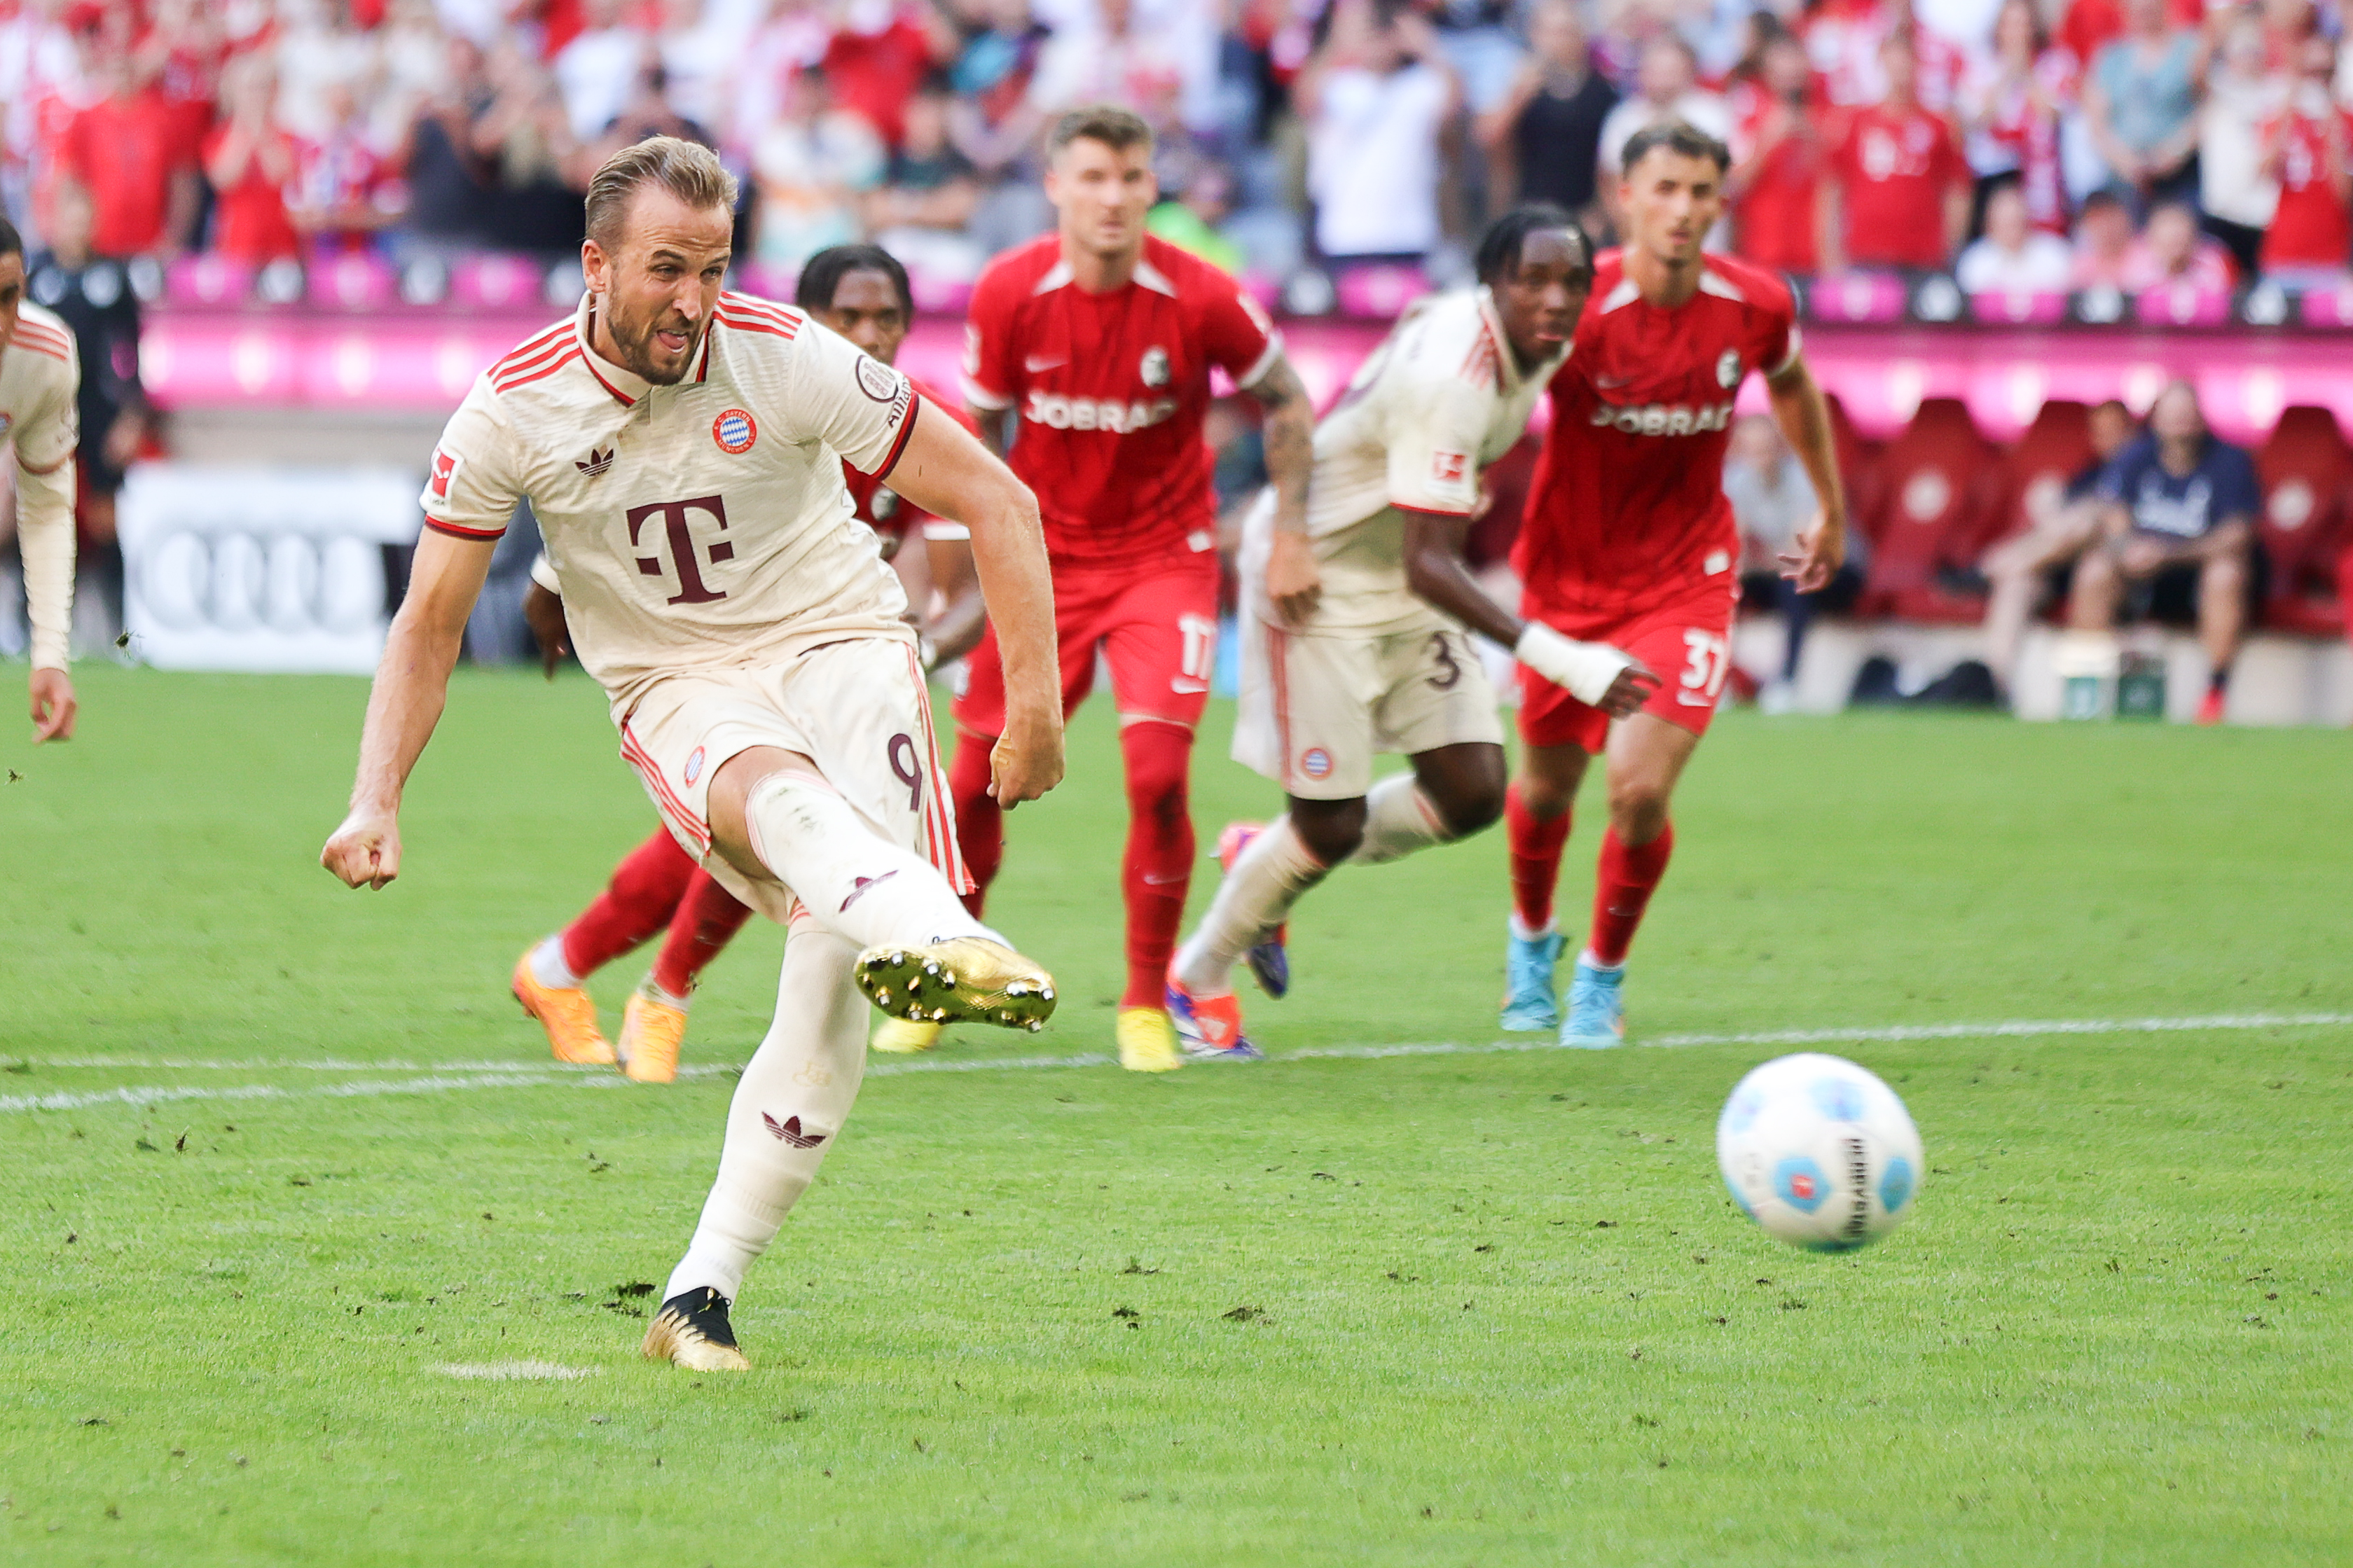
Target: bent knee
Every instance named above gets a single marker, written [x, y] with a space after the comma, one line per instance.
[1330, 830]
[1471, 810]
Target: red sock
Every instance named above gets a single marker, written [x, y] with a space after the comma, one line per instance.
[1158, 865]
[638, 902]
[1628, 875]
[1536, 846]
[707, 918]
[979, 822]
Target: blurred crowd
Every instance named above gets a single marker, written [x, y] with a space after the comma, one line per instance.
[2027, 146]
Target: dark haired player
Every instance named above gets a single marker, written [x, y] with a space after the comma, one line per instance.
[40, 381]
[1098, 340]
[1385, 664]
[861, 293]
[1628, 540]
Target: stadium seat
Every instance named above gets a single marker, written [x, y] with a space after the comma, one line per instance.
[1378, 291]
[1937, 482]
[208, 281]
[496, 282]
[2329, 306]
[1865, 297]
[2048, 453]
[352, 283]
[2018, 307]
[2183, 305]
[2305, 467]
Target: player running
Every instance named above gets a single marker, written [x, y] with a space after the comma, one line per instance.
[861, 291]
[683, 449]
[40, 382]
[1628, 540]
[1383, 663]
[1099, 339]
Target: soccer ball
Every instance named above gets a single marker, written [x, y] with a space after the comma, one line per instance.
[1819, 1153]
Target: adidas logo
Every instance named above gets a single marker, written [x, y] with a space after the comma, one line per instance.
[858, 891]
[789, 1129]
[597, 461]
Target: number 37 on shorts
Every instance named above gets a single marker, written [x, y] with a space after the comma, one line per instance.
[1709, 661]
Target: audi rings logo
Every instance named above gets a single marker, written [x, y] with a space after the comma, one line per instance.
[291, 584]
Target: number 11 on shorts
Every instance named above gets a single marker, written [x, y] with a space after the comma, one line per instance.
[1198, 656]
[1711, 661]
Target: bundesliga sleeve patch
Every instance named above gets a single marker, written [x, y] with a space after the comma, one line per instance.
[1448, 467]
[445, 472]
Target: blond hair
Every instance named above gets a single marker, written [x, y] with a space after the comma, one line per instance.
[687, 170]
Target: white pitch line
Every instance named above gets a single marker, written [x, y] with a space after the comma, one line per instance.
[516, 1371]
[512, 1076]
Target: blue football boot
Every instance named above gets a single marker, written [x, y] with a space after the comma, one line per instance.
[1596, 1010]
[1529, 997]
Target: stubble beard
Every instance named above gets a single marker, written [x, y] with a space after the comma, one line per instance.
[637, 351]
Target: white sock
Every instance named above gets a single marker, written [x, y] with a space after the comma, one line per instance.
[1520, 927]
[800, 1084]
[1398, 820]
[651, 989]
[1586, 959]
[1253, 899]
[547, 965]
[852, 880]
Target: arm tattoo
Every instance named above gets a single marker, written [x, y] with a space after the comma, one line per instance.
[1290, 435]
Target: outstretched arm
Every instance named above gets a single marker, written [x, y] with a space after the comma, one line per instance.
[412, 682]
[1293, 582]
[45, 537]
[1805, 422]
[945, 470]
[1437, 575]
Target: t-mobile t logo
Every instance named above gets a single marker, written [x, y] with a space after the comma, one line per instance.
[692, 589]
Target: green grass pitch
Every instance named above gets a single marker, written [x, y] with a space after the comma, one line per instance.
[1486, 1307]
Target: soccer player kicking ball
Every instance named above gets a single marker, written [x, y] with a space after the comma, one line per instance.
[1099, 339]
[1628, 540]
[861, 291]
[1381, 662]
[755, 650]
[39, 383]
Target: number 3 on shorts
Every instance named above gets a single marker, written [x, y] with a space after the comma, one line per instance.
[1711, 661]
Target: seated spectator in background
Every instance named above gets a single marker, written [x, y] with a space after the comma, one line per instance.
[2141, 105]
[2029, 568]
[1772, 501]
[880, 53]
[2104, 242]
[2304, 151]
[813, 166]
[1776, 162]
[449, 191]
[927, 195]
[1543, 139]
[2171, 251]
[1896, 189]
[2014, 256]
[2178, 512]
[342, 195]
[1375, 99]
[1190, 221]
[128, 149]
[2235, 191]
[648, 111]
[2010, 103]
[1666, 87]
[250, 162]
[596, 70]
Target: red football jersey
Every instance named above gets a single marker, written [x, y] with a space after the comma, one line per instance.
[1111, 390]
[883, 509]
[2311, 227]
[1627, 507]
[1896, 165]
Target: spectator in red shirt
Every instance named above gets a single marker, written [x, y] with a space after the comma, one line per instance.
[1896, 189]
[250, 162]
[129, 150]
[1776, 151]
[2304, 148]
[881, 54]
[2171, 251]
[342, 194]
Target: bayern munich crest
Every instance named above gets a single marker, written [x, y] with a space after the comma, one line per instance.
[1316, 763]
[694, 761]
[734, 431]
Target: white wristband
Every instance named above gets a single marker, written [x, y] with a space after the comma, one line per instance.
[1584, 668]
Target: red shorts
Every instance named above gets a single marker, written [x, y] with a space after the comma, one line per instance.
[1155, 623]
[1687, 641]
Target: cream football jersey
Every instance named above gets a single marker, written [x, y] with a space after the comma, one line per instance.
[38, 381]
[695, 526]
[1437, 401]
